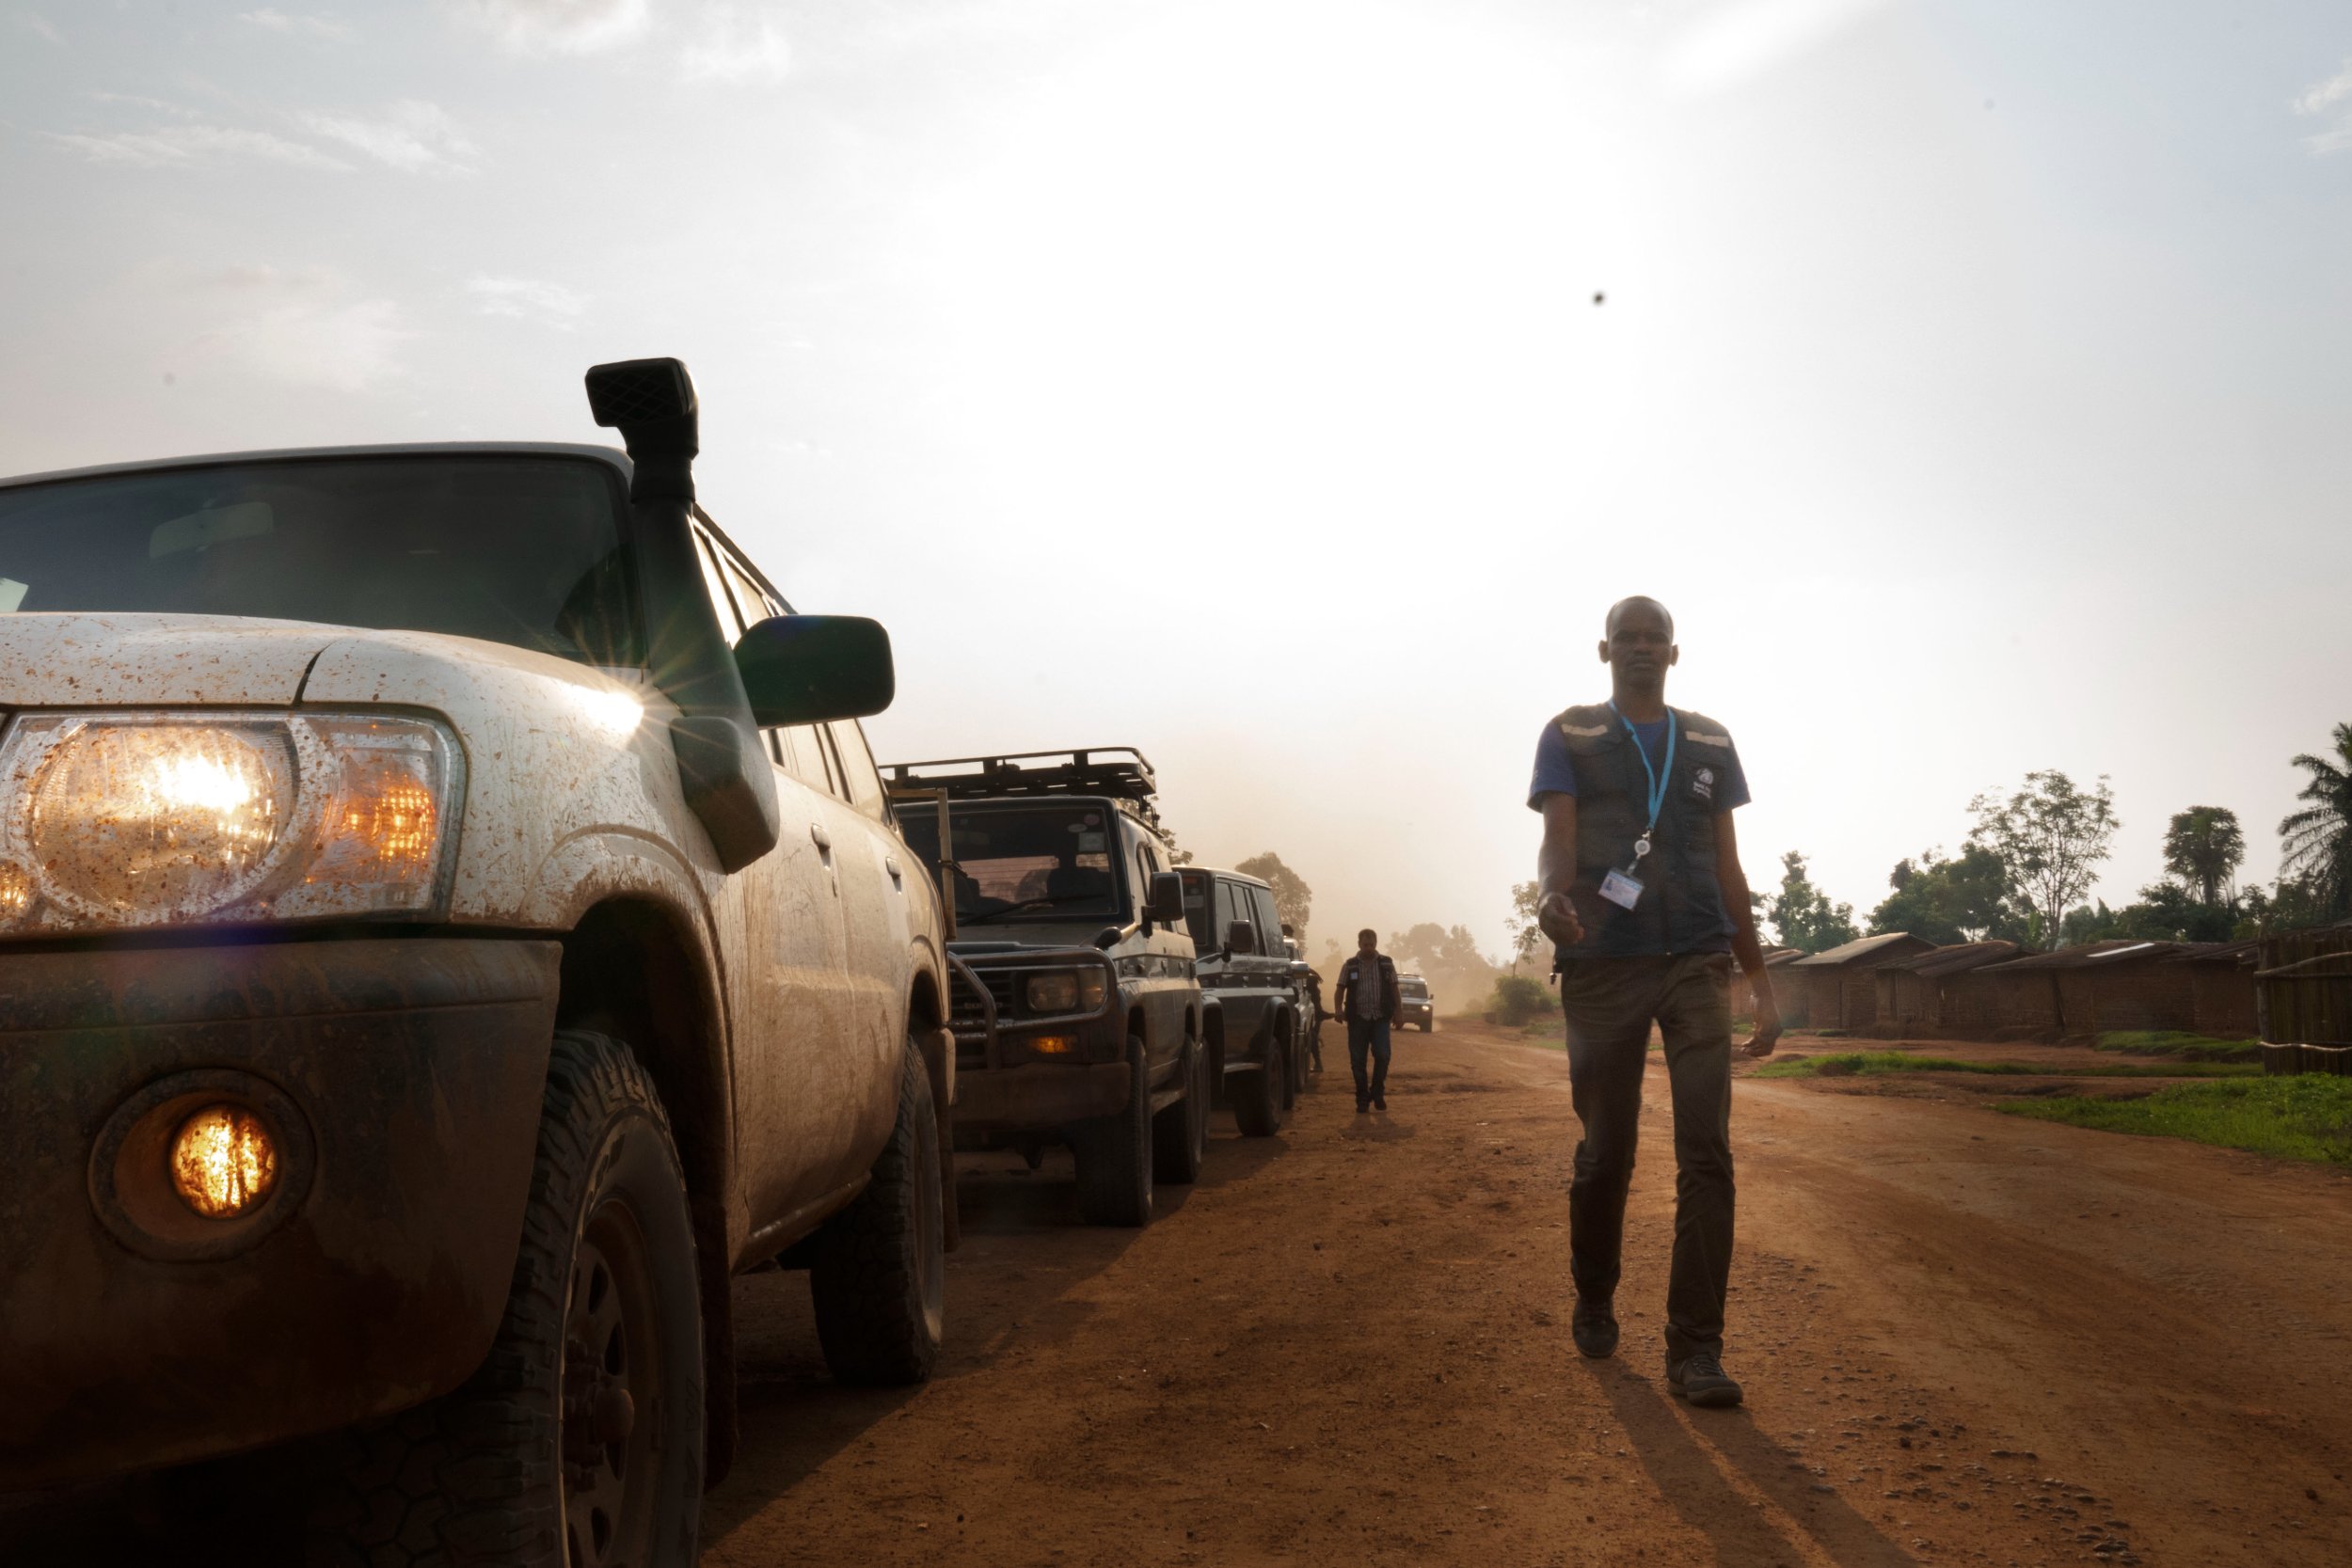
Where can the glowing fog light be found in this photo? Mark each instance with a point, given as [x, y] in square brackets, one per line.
[223, 1161]
[145, 817]
[1054, 1045]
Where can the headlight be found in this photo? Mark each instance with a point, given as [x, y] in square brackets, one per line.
[155, 819]
[1064, 993]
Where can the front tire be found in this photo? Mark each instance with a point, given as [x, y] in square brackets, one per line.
[879, 1275]
[1114, 1152]
[579, 1440]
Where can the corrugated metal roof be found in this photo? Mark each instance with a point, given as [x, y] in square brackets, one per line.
[1954, 958]
[1861, 948]
[2124, 951]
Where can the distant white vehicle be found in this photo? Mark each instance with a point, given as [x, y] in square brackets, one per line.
[1415, 1004]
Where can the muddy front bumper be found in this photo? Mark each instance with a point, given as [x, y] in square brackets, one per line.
[400, 1082]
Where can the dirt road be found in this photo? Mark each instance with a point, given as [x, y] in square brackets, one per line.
[1965, 1337]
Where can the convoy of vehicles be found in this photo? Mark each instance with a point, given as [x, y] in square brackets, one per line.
[450, 922]
[1070, 930]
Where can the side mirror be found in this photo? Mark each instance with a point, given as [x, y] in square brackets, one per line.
[1241, 937]
[809, 669]
[1167, 902]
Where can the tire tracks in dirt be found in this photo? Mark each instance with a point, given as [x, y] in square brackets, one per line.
[1965, 1339]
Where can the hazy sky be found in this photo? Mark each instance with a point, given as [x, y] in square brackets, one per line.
[1973, 380]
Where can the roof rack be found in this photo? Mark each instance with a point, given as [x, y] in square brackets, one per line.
[1120, 772]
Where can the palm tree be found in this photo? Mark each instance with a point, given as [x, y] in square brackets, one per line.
[2316, 842]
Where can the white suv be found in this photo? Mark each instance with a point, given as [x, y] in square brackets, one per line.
[450, 921]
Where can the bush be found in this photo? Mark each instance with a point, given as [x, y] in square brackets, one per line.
[1519, 999]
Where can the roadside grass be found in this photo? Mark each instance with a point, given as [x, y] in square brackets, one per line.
[1847, 1064]
[2179, 1045]
[2303, 1117]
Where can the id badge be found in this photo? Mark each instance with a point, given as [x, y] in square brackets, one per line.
[1621, 890]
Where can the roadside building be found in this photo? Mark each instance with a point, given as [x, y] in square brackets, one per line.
[1938, 994]
[1776, 961]
[2205, 988]
[1840, 987]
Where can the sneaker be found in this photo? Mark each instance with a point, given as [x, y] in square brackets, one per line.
[1363, 1107]
[1700, 1378]
[1380, 1102]
[1595, 1325]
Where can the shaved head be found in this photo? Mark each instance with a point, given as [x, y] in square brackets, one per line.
[1617, 612]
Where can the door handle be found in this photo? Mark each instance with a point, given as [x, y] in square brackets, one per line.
[816, 831]
[890, 864]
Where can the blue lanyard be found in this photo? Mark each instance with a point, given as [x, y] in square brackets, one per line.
[1659, 778]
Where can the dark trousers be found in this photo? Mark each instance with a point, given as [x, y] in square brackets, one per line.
[1609, 1004]
[1369, 1036]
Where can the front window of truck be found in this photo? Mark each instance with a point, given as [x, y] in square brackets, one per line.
[1024, 863]
[523, 550]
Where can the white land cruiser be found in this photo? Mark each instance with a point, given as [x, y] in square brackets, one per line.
[450, 923]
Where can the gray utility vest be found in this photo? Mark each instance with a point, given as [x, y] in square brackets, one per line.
[1681, 908]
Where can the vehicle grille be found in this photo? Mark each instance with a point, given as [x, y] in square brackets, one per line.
[968, 1019]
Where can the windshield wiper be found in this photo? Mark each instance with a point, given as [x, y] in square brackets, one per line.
[1047, 902]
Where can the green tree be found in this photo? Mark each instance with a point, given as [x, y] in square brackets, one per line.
[2288, 905]
[1526, 934]
[2315, 843]
[2051, 837]
[1803, 914]
[1446, 958]
[2166, 912]
[2203, 847]
[2085, 925]
[1946, 900]
[1293, 900]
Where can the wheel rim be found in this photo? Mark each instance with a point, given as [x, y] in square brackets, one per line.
[612, 1388]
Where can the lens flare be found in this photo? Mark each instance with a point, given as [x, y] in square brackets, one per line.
[223, 1162]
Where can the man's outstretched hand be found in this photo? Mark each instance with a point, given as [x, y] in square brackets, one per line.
[1557, 917]
[1766, 1034]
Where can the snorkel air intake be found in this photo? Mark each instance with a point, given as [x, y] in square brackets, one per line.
[722, 765]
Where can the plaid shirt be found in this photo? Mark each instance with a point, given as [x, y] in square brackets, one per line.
[1344, 998]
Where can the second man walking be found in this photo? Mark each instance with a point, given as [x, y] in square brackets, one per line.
[1367, 998]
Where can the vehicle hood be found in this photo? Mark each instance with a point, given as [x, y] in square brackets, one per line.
[1005, 936]
[66, 660]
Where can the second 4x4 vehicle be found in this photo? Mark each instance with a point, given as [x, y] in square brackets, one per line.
[449, 923]
[1070, 925]
[1254, 1001]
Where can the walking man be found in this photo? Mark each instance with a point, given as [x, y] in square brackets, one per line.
[1367, 997]
[1641, 892]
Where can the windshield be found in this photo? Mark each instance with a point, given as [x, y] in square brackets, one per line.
[518, 549]
[1024, 862]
